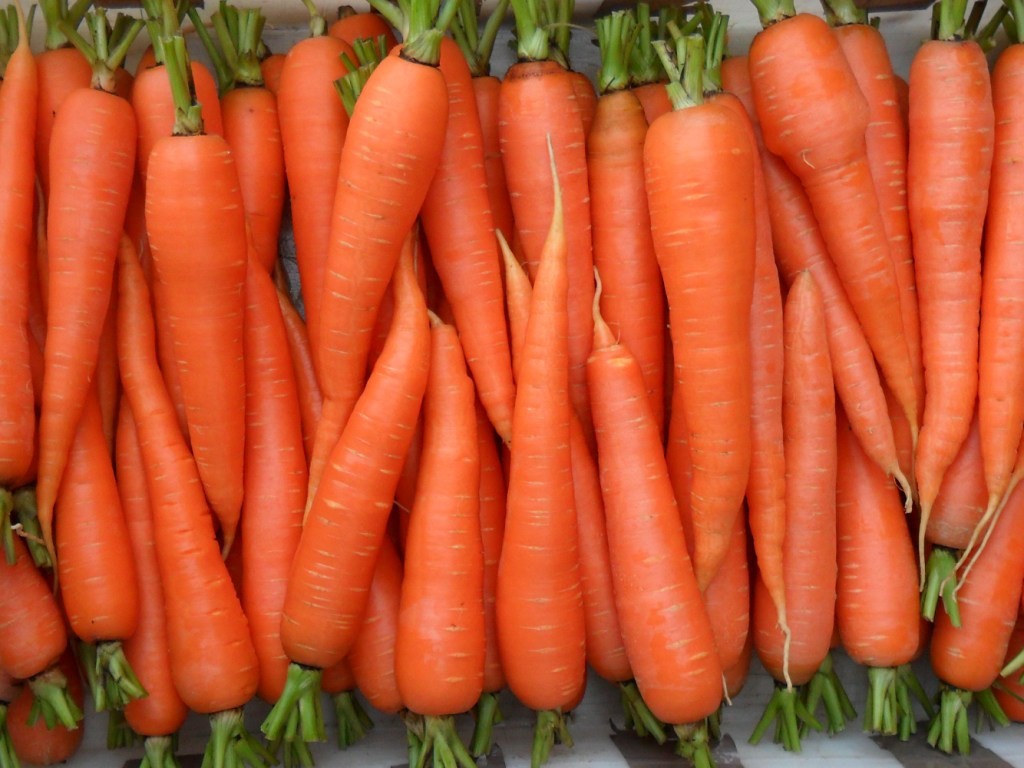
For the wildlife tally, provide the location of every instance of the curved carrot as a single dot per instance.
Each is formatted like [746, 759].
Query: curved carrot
[310, 400]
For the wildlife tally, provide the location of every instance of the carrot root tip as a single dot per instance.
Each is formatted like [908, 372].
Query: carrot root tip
[940, 581]
[231, 744]
[552, 728]
[353, 721]
[486, 714]
[297, 716]
[52, 700]
[638, 715]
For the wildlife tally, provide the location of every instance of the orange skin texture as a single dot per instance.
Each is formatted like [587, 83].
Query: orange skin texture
[963, 495]
[59, 71]
[492, 531]
[362, 25]
[310, 399]
[486, 93]
[727, 600]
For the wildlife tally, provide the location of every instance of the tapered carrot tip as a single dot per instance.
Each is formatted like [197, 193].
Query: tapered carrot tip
[435, 737]
[552, 728]
[695, 744]
[26, 513]
[486, 714]
[949, 730]
[111, 679]
[826, 688]
[890, 702]
[297, 716]
[158, 752]
[638, 715]
[119, 734]
[231, 744]
[940, 581]
[787, 711]
[353, 721]
[56, 704]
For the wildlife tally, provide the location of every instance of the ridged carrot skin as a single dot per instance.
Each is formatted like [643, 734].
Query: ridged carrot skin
[379, 194]
[18, 99]
[486, 91]
[963, 495]
[275, 476]
[814, 117]
[161, 712]
[1000, 368]
[366, 25]
[951, 120]
[457, 220]
[92, 153]
[213, 661]
[727, 599]
[701, 197]
[809, 424]
[60, 72]
[440, 646]
[492, 532]
[632, 297]
[318, 627]
[310, 400]
[199, 257]
[665, 625]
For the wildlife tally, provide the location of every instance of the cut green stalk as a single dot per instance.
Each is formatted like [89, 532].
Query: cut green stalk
[773, 11]
[890, 706]
[644, 64]
[686, 81]
[57, 11]
[422, 24]
[616, 38]
[841, 13]
[986, 36]
[940, 580]
[533, 38]
[188, 114]
[486, 714]
[639, 717]
[552, 728]
[715, 25]
[119, 733]
[694, 744]
[1013, 22]
[435, 737]
[351, 85]
[352, 720]
[163, 21]
[787, 710]
[231, 745]
[297, 715]
[826, 688]
[158, 752]
[52, 700]
[28, 527]
[475, 45]
[952, 20]
[107, 51]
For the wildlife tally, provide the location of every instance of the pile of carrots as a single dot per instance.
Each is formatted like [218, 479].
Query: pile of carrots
[719, 359]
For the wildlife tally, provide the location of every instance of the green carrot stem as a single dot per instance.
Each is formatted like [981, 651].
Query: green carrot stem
[486, 714]
[840, 13]
[53, 701]
[773, 11]
[940, 580]
[352, 721]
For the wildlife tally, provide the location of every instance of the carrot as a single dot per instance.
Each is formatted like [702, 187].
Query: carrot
[213, 662]
[307, 388]
[318, 628]
[886, 145]
[708, 271]
[727, 599]
[17, 195]
[373, 653]
[35, 741]
[541, 620]
[251, 128]
[673, 658]
[876, 601]
[967, 659]
[492, 531]
[92, 153]
[442, 597]
[633, 301]
[814, 117]
[809, 556]
[1009, 691]
[586, 99]
[96, 567]
[199, 271]
[351, 26]
[538, 99]
[947, 202]
[161, 712]
[383, 179]
[271, 65]
[275, 475]
[799, 246]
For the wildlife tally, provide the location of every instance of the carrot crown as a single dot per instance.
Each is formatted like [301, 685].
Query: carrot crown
[684, 62]
[55, 11]
[644, 64]
[236, 52]
[475, 45]
[188, 113]
[109, 45]
[163, 22]
[422, 24]
[951, 23]
[616, 37]
[369, 53]
[317, 22]
[12, 32]
[1014, 20]
[543, 29]
[774, 11]
[840, 13]
[715, 25]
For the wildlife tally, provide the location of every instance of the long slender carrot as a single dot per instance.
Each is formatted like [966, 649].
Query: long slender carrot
[950, 119]
[310, 400]
[161, 712]
[541, 622]
[814, 117]
[213, 662]
[318, 627]
[706, 254]
[17, 197]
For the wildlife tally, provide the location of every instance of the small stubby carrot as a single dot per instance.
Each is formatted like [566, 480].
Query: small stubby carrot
[822, 141]
[877, 595]
[951, 126]
[665, 624]
[318, 627]
[17, 225]
[798, 245]
[705, 250]
[157, 716]
[213, 661]
[373, 653]
[541, 620]
[809, 429]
